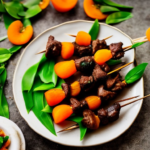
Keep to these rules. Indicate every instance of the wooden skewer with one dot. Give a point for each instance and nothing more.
(77, 126)
(128, 98)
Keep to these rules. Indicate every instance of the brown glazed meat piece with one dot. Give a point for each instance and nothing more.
(116, 50)
(118, 86)
(98, 44)
(86, 82)
(66, 89)
(103, 116)
(76, 105)
(89, 119)
(104, 94)
(112, 79)
(105, 67)
(82, 50)
(99, 74)
(53, 48)
(85, 64)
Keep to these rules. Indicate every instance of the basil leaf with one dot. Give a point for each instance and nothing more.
(13, 8)
(94, 31)
(4, 57)
(137, 44)
(136, 73)
(111, 3)
(28, 78)
(83, 129)
(4, 51)
(30, 3)
(118, 17)
(32, 11)
(108, 9)
(3, 38)
(2, 8)
(112, 62)
(14, 49)
(60, 82)
(47, 73)
(44, 87)
(47, 109)
(7, 20)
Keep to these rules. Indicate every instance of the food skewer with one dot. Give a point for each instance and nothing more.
(62, 112)
(75, 88)
(105, 116)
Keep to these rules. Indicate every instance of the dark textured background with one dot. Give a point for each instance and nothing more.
(138, 135)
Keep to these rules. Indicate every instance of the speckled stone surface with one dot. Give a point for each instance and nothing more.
(138, 135)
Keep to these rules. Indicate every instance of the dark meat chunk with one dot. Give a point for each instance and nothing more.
(86, 82)
(84, 105)
(82, 50)
(66, 89)
(118, 86)
(116, 50)
(113, 112)
(85, 64)
(76, 105)
(105, 67)
(103, 116)
(99, 74)
(89, 120)
(112, 80)
(53, 48)
(104, 94)
(98, 44)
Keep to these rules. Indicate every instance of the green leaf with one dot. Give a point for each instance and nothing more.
(111, 3)
(6, 139)
(108, 9)
(3, 38)
(47, 109)
(98, 1)
(2, 8)
(14, 49)
(7, 20)
(78, 120)
(118, 17)
(136, 73)
(30, 3)
(13, 8)
(60, 82)
(4, 55)
(28, 78)
(32, 11)
(44, 87)
(26, 22)
(137, 44)
(4, 51)
(94, 31)
(2, 68)
(112, 62)
(47, 73)
(1, 141)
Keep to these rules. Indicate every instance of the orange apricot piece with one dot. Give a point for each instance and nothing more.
(54, 96)
(92, 11)
(44, 3)
(102, 56)
(18, 34)
(93, 102)
(148, 34)
(64, 5)
(67, 50)
(61, 113)
(83, 38)
(65, 69)
(6, 145)
(2, 133)
(75, 88)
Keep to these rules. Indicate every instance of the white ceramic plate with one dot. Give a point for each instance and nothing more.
(15, 134)
(72, 138)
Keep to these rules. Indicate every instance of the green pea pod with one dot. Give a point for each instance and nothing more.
(137, 44)
(47, 73)
(108, 9)
(78, 120)
(111, 3)
(60, 82)
(112, 62)
(94, 31)
(3, 38)
(44, 87)
(28, 78)
(7, 20)
(117, 17)
(136, 73)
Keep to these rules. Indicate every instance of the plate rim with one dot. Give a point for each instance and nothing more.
(16, 68)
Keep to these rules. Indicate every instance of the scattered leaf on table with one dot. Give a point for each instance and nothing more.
(117, 17)
(4, 55)
(3, 38)
(26, 22)
(112, 62)
(108, 9)
(32, 11)
(2, 8)
(137, 44)
(136, 73)
(111, 3)
(94, 31)
(30, 3)
(14, 49)
(44, 87)
(7, 20)
(2, 68)
(59, 83)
